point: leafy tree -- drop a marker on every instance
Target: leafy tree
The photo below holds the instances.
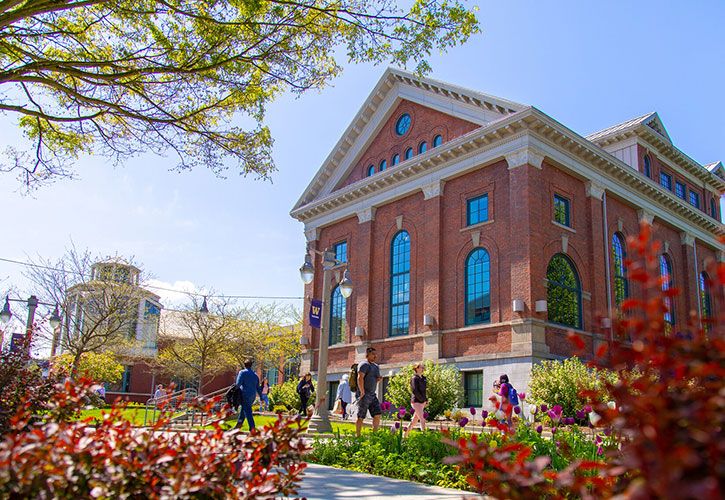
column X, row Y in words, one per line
column 98, row 304
column 285, row 395
column 98, row 366
column 196, row 346
column 119, row 77
column 560, row 382
column 444, row 389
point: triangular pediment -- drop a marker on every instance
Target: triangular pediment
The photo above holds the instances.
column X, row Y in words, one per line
column 398, row 92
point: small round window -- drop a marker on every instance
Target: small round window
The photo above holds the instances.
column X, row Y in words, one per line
column 403, row 124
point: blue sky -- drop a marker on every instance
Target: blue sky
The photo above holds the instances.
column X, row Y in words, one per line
column 588, row 65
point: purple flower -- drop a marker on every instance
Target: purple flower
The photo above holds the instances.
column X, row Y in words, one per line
column 580, row 414
column 397, row 425
column 401, row 413
column 425, row 415
column 588, row 409
column 599, row 451
column 539, row 429
column 463, row 422
column 484, row 414
column 570, row 421
column 517, row 410
column 553, row 431
column 392, row 430
column 598, row 439
column 557, row 409
column 385, row 406
column 473, row 411
column 607, row 431
column 522, row 396
column 544, row 408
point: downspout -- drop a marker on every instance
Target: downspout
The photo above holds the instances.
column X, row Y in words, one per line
column 697, row 283
column 606, row 265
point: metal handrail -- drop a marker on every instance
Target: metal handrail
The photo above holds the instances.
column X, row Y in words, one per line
column 156, row 403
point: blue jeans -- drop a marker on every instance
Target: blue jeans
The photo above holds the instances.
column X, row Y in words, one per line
column 264, row 406
column 246, row 411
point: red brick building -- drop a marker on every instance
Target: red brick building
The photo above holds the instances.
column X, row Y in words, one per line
column 478, row 231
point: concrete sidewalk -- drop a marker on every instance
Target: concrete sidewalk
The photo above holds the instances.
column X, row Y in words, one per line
column 328, row 483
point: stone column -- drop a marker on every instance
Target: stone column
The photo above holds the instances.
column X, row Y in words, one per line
column 689, row 278
column 362, row 264
column 599, row 253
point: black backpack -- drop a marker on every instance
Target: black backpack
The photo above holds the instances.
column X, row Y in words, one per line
column 234, row 396
column 352, row 379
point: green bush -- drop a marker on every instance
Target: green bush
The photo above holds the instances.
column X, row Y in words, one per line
column 444, row 389
column 285, row 395
column 561, row 382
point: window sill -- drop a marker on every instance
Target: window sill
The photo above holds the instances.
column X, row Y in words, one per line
column 476, row 226
column 558, row 224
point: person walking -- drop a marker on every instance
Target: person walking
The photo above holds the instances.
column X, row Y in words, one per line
column 160, row 392
column 248, row 382
column 305, row 388
column 265, row 395
column 344, row 394
column 368, row 376
column 418, row 387
column 507, row 404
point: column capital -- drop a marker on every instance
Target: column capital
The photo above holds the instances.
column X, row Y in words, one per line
column 312, row 234
column 687, row 239
column 595, row 190
column 644, row 215
column 366, row 215
column 525, row 155
column 433, row 189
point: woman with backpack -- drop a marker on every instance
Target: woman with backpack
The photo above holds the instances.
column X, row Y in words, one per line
column 305, row 388
column 509, row 398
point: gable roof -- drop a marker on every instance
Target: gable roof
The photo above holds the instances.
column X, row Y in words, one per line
column 394, row 86
column 716, row 168
column 652, row 120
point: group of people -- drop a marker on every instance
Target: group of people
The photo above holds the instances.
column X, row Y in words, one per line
column 368, row 377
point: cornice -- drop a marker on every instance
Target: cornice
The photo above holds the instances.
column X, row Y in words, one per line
column 435, row 164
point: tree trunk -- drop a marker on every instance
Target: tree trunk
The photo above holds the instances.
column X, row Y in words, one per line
column 76, row 364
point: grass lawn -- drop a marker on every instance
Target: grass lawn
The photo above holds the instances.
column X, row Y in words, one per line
column 135, row 414
column 261, row 420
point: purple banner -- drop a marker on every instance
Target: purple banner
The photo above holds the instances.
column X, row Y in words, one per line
column 315, row 313
column 16, row 341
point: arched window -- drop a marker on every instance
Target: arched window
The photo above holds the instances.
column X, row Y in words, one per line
column 563, row 292
column 705, row 301
column 337, row 316
column 396, row 159
column 371, row 170
column 383, row 165
column 408, row 153
column 437, row 140
column 400, row 284
column 478, row 287
column 666, row 274
column 647, row 170
column 621, row 283
column 422, row 147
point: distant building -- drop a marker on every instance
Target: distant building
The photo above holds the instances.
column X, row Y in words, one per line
column 478, row 231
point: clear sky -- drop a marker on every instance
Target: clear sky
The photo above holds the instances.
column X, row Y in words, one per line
column 588, row 65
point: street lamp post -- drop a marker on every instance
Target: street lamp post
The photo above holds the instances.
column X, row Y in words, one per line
column 32, row 303
column 320, row 421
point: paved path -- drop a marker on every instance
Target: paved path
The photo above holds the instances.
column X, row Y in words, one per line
column 328, row 483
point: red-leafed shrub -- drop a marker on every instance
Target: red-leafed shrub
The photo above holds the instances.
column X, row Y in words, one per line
column 114, row 460
column 670, row 411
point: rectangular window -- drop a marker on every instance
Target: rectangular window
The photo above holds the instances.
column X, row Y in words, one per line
column 477, row 210
column 680, row 190
column 124, row 385
column 561, row 210
column 473, row 389
column 694, row 199
column 666, row 181
column 341, row 251
column 713, row 210
column 331, row 394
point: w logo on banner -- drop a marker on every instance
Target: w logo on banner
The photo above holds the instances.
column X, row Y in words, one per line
column 315, row 313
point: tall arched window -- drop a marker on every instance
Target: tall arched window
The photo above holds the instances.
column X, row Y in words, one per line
column 705, row 301
column 337, row 316
column 666, row 274
column 437, row 141
column 563, row 292
column 478, row 287
column 383, row 165
column 422, row 147
column 647, row 169
column 396, row 159
column 371, row 170
column 400, row 284
column 408, row 153
column 621, row 283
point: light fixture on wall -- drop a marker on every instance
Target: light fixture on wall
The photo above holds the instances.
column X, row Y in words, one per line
column 359, row 331
column 428, row 320
column 541, row 306
column 518, row 306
